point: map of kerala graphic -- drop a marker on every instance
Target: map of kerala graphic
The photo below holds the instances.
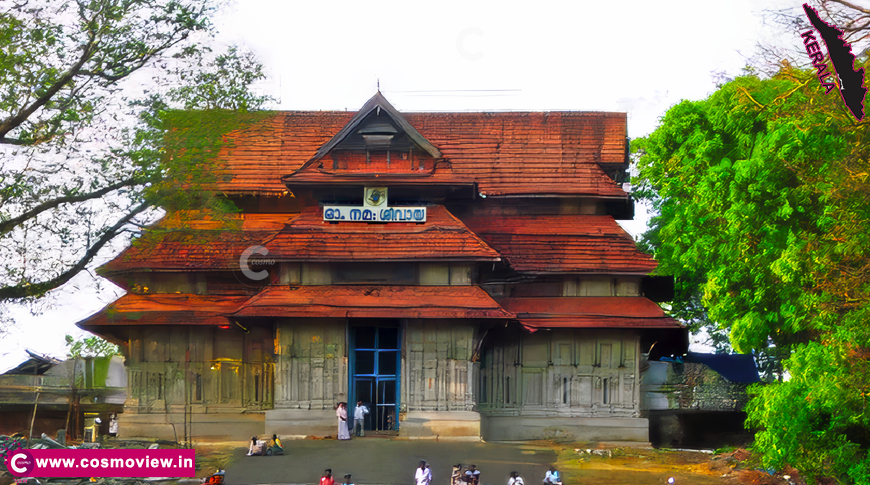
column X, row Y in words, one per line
column 851, row 83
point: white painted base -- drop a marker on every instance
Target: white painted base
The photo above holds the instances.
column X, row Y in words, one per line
column 301, row 422
column 212, row 426
column 519, row 428
column 458, row 425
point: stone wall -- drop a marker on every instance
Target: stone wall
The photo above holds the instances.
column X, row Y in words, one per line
column 568, row 372
column 312, row 368
column 437, row 367
column 437, row 392
column 546, row 384
column 690, row 386
column 207, row 369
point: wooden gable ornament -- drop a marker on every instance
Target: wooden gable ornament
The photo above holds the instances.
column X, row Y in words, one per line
column 380, row 134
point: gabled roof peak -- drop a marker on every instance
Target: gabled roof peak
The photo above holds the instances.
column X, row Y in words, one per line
column 378, row 103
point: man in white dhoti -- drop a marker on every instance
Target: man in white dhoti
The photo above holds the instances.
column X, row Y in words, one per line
column 423, row 476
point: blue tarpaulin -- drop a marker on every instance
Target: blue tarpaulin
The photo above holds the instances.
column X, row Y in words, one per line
column 734, row 367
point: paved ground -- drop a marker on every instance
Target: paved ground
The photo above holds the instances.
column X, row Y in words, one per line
column 384, row 461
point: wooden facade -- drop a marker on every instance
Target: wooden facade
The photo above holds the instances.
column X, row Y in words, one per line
column 461, row 273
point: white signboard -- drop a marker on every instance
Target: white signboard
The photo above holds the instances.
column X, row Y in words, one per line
column 334, row 213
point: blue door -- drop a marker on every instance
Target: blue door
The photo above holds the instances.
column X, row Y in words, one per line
column 374, row 374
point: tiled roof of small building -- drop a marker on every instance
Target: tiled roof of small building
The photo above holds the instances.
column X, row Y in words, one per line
column 442, row 237
column 373, row 302
column 516, row 153
column 562, row 243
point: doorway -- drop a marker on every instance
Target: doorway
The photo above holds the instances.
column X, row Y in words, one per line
column 375, row 368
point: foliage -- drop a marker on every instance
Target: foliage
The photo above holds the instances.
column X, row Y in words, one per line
column 222, row 83
column 818, row 418
column 90, row 347
column 89, row 91
column 761, row 199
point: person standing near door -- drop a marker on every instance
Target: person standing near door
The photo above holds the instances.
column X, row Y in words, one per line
column 359, row 419
column 343, row 430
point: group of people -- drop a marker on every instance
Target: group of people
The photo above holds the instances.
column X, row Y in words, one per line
column 359, row 416
column 261, row 448
column 471, row 476
column 423, row 474
column 551, row 478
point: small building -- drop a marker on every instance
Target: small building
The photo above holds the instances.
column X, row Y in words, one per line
column 463, row 274
column 698, row 400
column 44, row 395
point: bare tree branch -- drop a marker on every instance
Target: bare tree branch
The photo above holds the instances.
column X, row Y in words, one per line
column 24, row 290
column 851, row 5
column 11, row 223
column 13, row 141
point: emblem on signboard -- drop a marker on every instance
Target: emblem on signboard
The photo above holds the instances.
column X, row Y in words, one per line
column 375, row 196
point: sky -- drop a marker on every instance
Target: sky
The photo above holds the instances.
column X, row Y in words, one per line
column 638, row 57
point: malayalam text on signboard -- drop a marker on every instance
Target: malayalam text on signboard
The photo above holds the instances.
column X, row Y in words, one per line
column 388, row 214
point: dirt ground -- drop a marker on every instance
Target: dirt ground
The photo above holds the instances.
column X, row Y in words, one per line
column 633, row 466
column 385, row 461
column 580, row 463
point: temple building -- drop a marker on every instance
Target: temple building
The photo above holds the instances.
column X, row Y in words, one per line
column 463, row 274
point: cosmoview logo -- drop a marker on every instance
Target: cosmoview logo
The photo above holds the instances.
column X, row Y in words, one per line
column 246, row 263
column 20, row 463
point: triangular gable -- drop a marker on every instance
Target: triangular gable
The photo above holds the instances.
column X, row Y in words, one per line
column 376, row 103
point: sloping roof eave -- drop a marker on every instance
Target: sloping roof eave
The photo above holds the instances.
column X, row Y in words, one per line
column 364, row 301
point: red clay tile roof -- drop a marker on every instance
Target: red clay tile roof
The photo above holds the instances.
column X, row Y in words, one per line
column 373, row 302
column 562, row 243
column 588, row 312
column 203, row 245
column 165, row 309
column 441, row 237
column 556, row 153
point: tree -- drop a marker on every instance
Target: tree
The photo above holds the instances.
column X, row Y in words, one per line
column 90, row 347
column 761, row 199
column 86, row 104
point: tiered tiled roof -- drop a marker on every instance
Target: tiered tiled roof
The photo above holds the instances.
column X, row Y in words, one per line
column 373, row 302
column 503, row 154
column 200, row 244
column 165, row 309
column 442, row 237
column 562, row 243
column 588, row 312
column 556, row 153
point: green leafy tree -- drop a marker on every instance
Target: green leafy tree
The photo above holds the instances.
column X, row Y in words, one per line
column 90, row 347
column 761, row 192
column 89, row 88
